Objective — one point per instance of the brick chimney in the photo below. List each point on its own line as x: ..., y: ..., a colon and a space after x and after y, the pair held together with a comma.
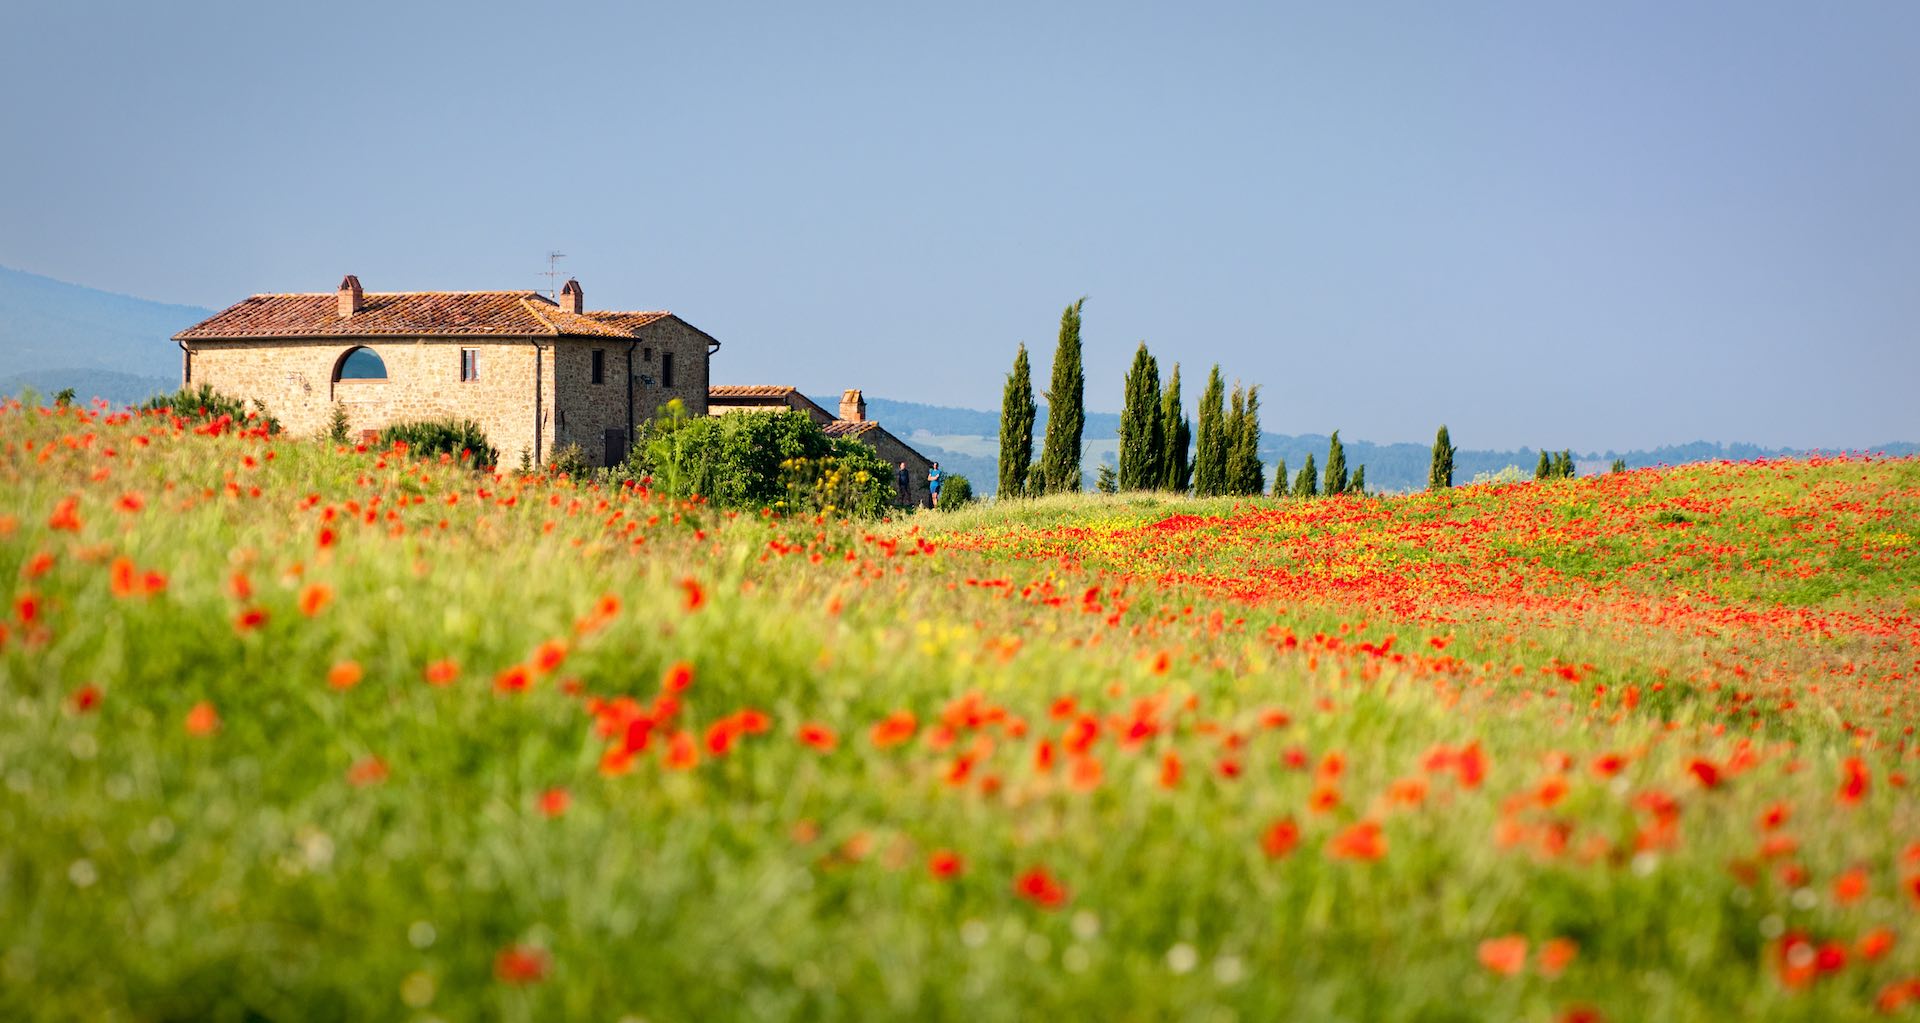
x: 352, y: 299
x: 571, y: 298
x: 853, y: 407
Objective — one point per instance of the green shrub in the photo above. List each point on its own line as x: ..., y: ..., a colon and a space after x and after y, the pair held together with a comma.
x: 461, y: 438
x: 760, y: 460
x: 206, y: 403
x: 570, y: 460
x: 957, y: 491
x: 337, y: 430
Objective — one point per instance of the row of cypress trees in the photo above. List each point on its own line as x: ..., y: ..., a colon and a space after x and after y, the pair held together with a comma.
x: 1312, y: 482
x: 1058, y: 470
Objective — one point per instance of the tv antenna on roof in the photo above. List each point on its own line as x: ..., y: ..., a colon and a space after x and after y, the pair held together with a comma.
x: 553, y: 274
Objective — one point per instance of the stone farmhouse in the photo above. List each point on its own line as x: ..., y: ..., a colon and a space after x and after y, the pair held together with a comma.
x: 536, y: 373
x: 851, y: 422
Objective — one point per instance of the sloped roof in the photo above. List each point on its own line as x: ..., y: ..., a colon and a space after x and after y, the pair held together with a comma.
x: 414, y: 314
x: 849, y: 428
x: 749, y: 391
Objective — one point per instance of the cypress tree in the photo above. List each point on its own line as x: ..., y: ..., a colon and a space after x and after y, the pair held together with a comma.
x: 1545, y: 468
x: 1066, y: 408
x: 1210, y: 452
x: 1177, y: 465
x: 1251, y: 475
x: 1104, y: 479
x: 1017, y: 413
x: 1440, y: 471
x: 1566, y: 464
x: 1303, y: 484
x: 1280, y: 478
x: 1358, y: 487
x: 1230, y: 432
x: 1619, y: 465
x: 1140, y: 444
x: 1336, y: 467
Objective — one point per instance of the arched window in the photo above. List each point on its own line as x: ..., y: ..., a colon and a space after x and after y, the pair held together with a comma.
x: 360, y: 364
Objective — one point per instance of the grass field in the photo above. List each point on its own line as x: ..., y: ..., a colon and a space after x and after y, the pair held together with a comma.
x: 296, y: 732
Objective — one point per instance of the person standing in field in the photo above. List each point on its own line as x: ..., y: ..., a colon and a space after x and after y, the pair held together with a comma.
x: 903, y: 482
x: 934, y: 479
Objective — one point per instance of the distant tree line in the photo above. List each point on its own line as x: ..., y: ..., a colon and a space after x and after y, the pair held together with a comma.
x: 1217, y: 453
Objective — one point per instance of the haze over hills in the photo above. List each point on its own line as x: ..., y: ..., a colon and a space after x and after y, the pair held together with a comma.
x: 54, y: 335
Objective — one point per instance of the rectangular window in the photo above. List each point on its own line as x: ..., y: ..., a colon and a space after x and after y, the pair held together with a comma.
x: 469, y: 364
x: 666, y: 369
x: 186, y: 366
x: 646, y: 355
x: 599, y: 365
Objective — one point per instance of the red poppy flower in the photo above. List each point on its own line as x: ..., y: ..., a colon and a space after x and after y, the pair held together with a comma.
x: 203, y: 719
x: 367, y: 771
x: 249, y: 618
x: 314, y: 598
x: 894, y: 729
x: 1170, y: 770
x: 513, y: 679
x: 1557, y: 954
x: 345, y: 675
x: 85, y: 699
x: 682, y: 753
x: 1040, y: 888
x: 678, y: 677
x: 945, y: 864
x: 1505, y: 956
x: 442, y: 673
x: 1855, y: 782
x: 549, y: 655
x: 1363, y: 841
x: 66, y: 515
x: 694, y: 597
x: 522, y: 964
x: 1280, y: 838
x: 554, y: 802
x: 818, y: 736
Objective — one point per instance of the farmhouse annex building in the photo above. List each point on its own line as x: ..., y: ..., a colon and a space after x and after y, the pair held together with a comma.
x: 536, y: 373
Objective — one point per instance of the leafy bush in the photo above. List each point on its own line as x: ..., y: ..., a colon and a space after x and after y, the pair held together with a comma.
x: 958, y: 491
x: 570, y: 460
x: 461, y: 438
x: 337, y: 426
x: 760, y: 460
x: 206, y: 403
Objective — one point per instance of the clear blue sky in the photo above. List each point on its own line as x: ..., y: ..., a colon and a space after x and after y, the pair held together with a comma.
x: 1598, y: 225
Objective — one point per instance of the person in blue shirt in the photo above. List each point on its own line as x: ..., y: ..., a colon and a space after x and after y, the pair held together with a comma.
x: 934, y: 478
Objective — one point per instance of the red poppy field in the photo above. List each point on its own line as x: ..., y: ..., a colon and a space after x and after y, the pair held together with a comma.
x: 294, y: 731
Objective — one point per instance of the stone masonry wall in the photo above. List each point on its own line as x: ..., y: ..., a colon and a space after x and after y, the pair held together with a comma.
x: 894, y: 452
x: 294, y: 379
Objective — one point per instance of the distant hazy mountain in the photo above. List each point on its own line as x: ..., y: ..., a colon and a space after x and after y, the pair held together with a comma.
x: 54, y: 335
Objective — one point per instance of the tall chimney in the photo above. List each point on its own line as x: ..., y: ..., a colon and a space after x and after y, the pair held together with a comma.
x: 571, y: 298
x: 853, y: 407
x: 352, y: 299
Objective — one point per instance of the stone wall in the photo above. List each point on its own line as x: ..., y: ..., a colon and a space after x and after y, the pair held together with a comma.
x: 587, y: 410
x: 893, y: 451
x: 293, y: 378
x: 690, y: 377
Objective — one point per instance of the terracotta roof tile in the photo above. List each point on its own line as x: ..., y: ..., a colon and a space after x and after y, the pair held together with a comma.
x: 413, y: 314
x: 627, y: 321
x: 749, y: 391
x: 849, y: 428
